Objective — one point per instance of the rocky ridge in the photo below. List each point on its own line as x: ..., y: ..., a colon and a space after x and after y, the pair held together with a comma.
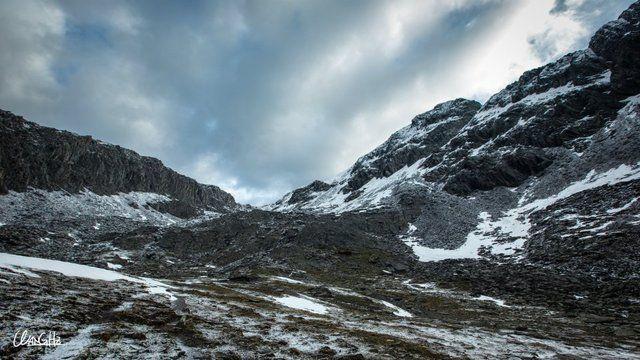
x: 33, y: 156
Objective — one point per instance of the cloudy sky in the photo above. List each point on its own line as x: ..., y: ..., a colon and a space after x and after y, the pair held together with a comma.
x: 260, y: 97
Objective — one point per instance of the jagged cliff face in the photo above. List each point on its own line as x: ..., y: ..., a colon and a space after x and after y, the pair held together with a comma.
x: 33, y: 156
x: 391, y: 165
x: 426, y: 134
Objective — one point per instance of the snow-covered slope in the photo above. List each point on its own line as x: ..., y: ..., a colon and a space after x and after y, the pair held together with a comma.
x: 45, y: 206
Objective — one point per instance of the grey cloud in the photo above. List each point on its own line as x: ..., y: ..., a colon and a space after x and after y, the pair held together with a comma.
x: 591, y: 13
x: 258, y: 97
x: 559, y: 6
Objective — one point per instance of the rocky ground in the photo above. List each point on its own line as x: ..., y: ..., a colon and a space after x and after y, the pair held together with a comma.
x: 307, y: 294
x: 266, y: 315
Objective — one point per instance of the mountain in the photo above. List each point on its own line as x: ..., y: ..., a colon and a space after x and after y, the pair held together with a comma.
x: 33, y: 156
x: 483, y: 179
x: 460, y: 147
x: 502, y: 230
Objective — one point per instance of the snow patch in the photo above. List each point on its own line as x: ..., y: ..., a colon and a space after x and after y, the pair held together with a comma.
x: 114, y: 266
x: 515, y: 223
x: 623, y: 207
x: 396, y: 310
x: 302, y: 303
x: 469, y: 250
x: 491, y: 299
x: 82, y: 271
x: 288, y: 280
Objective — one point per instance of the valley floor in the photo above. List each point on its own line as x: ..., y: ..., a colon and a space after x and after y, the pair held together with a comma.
x: 103, y: 313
